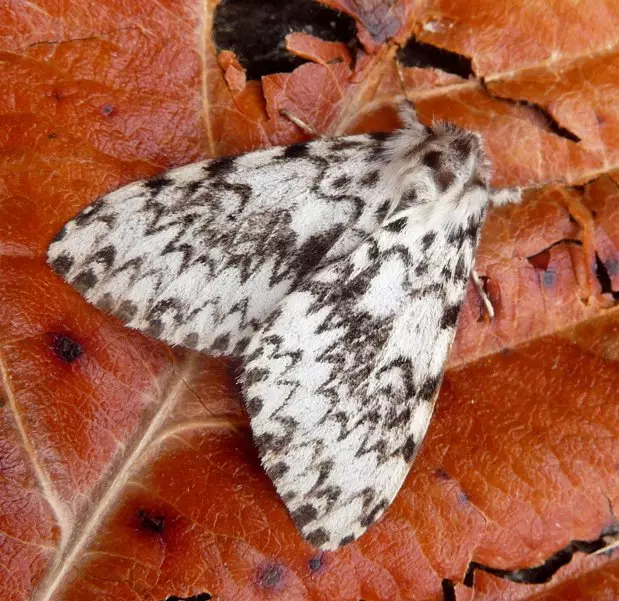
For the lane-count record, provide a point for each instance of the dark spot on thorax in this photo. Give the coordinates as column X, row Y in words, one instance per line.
column 151, row 521
column 444, row 179
column 432, row 160
column 64, row 347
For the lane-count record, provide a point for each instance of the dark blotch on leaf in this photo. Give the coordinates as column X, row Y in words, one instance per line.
column 64, row 347
column 315, row 563
column 107, row 109
column 270, row 576
column 549, row 277
column 154, row 523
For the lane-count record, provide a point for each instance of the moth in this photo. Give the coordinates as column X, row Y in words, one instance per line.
column 334, row 268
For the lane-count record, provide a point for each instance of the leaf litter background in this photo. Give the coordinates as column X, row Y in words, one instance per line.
column 126, row 467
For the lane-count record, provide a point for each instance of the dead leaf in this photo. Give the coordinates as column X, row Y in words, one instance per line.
column 127, row 468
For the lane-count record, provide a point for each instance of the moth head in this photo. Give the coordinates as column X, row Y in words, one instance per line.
column 444, row 166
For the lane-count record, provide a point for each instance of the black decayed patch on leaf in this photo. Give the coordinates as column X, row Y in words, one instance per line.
column 256, row 31
column 64, row 347
column 419, row 54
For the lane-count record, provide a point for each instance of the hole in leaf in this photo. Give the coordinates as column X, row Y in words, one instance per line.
column 449, row 590
column 544, row 572
column 199, row 597
column 419, row 54
column 551, row 123
column 603, row 273
column 256, row 31
column 541, row 259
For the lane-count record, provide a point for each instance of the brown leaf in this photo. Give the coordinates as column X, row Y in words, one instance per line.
column 126, row 467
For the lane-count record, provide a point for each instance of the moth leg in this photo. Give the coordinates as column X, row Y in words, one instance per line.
column 308, row 129
column 482, row 293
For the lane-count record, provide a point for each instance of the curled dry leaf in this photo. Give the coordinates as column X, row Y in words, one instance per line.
column 127, row 469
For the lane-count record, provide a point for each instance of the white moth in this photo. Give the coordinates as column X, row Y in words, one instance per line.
column 336, row 270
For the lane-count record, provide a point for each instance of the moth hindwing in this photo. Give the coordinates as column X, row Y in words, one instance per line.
column 335, row 268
